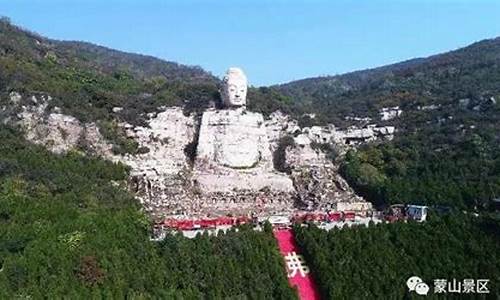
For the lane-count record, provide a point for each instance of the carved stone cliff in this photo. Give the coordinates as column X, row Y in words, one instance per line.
column 235, row 151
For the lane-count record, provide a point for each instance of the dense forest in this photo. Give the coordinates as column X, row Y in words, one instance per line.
column 375, row 262
column 464, row 174
column 69, row 230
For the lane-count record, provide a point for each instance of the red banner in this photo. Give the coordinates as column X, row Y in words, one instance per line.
column 298, row 272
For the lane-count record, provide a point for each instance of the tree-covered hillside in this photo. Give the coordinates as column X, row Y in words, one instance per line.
column 471, row 72
column 375, row 262
column 446, row 146
column 69, row 230
column 87, row 81
column 461, row 173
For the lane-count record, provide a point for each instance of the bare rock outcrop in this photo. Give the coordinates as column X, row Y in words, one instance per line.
column 58, row 132
column 316, row 180
column 160, row 173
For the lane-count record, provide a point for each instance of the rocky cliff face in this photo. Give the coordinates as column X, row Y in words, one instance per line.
column 317, row 182
column 160, row 176
column 232, row 170
column 49, row 127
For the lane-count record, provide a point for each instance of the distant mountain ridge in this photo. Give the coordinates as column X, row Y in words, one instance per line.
column 488, row 49
column 469, row 72
column 142, row 66
column 14, row 39
column 87, row 81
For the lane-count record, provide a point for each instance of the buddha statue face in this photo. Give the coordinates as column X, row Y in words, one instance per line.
column 234, row 88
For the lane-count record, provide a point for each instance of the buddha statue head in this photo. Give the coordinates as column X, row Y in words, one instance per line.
column 234, row 88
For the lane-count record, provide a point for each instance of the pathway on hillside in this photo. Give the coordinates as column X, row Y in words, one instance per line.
column 298, row 272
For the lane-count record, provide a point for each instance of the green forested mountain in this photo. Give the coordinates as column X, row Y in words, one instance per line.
column 21, row 42
column 446, row 148
column 87, row 81
column 471, row 72
column 69, row 230
column 450, row 106
column 446, row 152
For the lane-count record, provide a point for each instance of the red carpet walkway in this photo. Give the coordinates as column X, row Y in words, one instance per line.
column 298, row 272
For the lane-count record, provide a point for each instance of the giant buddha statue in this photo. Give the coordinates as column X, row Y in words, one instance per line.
column 233, row 151
column 234, row 88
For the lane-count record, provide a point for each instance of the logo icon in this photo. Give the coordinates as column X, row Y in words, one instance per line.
column 416, row 284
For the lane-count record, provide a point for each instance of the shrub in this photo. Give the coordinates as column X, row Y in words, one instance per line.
column 279, row 155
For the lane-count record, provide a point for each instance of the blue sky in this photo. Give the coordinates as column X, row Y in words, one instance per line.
column 273, row 41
